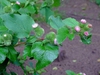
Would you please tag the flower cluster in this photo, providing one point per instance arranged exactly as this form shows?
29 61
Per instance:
83 27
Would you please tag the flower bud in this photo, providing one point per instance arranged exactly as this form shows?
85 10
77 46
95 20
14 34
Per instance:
12 3
83 21
35 25
17 2
90 25
7 9
84 74
86 33
77 28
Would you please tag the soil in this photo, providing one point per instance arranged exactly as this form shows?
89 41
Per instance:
78 57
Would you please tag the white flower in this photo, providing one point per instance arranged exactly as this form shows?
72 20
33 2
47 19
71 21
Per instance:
17 2
4 35
55 41
35 25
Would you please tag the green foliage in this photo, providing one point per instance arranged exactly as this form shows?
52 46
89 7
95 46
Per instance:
50 37
46 12
62 33
56 3
5 39
27 10
97 2
21 25
55 22
3 53
86 39
39 31
27 51
18 26
3 65
12 54
70 22
44 53
69 72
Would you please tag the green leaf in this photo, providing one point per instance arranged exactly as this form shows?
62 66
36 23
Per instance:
86 39
70 22
3 29
14 40
21 1
97 2
62 34
1 22
29 9
15 7
49 2
50 36
4 2
21 25
71 36
39 31
31 39
29 69
12 54
13 73
27 51
41 71
56 23
3 52
44 53
3 65
69 72
35 73
1 9
46 12
56 3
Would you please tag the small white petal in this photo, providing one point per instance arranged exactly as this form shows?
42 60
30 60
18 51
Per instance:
35 25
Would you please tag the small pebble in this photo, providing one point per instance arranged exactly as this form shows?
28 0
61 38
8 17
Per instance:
54 68
98 60
74 60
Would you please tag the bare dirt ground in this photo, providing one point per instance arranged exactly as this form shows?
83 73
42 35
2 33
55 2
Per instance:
79 57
